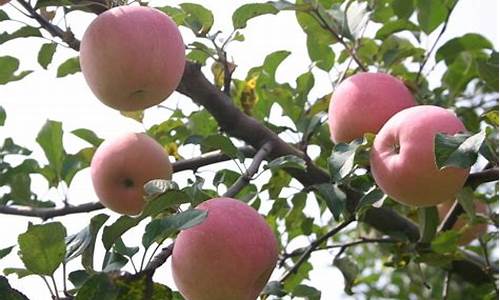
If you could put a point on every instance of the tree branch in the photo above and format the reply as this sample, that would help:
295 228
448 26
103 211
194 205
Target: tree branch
250 172
426 58
45 213
312 247
159 259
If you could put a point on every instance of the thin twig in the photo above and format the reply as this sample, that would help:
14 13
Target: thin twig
315 244
301 251
427 56
340 39
250 172
446 285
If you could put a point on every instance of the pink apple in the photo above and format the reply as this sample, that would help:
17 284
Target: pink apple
363 103
403 162
474 231
229 256
132 57
120 168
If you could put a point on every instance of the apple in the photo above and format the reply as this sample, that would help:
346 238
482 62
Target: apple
363 103
2 2
229 256
121 166
402 158
474 231
132 57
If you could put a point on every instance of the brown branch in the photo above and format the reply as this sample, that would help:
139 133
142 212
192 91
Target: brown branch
250 172
474 180
300 251
47 213
159 259
208 159
55 31
315 244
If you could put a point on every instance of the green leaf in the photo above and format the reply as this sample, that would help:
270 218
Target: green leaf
395 26
350 271
21 273
356 16
403 8
178 15
466 199
8 293
488 71
113 261
3 116
458 151
341 162
42 247
460 73
3 16
114 231
50 139
8 68
333 196
70 66
46 54
99 286
157 187
5 251
370 198
78 278
287 161
468 42
93 229
429 221
198 18
318 41
122 249
491 117
23 32
137 115
430 14
169 199
306 292
160 229
88 136
446 242
223 143
274 288
251 10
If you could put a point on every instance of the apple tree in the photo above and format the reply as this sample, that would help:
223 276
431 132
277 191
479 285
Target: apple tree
308 188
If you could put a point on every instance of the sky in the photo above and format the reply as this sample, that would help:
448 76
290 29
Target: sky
41 96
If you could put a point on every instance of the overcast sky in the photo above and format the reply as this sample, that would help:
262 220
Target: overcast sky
40 96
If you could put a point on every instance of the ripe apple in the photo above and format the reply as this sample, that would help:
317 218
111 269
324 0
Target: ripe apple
471 233
229 256
2 2
363 103
402 159
120 168
132 57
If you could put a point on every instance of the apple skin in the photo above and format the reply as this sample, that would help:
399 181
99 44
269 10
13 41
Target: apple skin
403 162
121 166
363 103
132 57
229 256
3 2
471 233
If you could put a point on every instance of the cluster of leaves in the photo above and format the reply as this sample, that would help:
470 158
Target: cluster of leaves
469 86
